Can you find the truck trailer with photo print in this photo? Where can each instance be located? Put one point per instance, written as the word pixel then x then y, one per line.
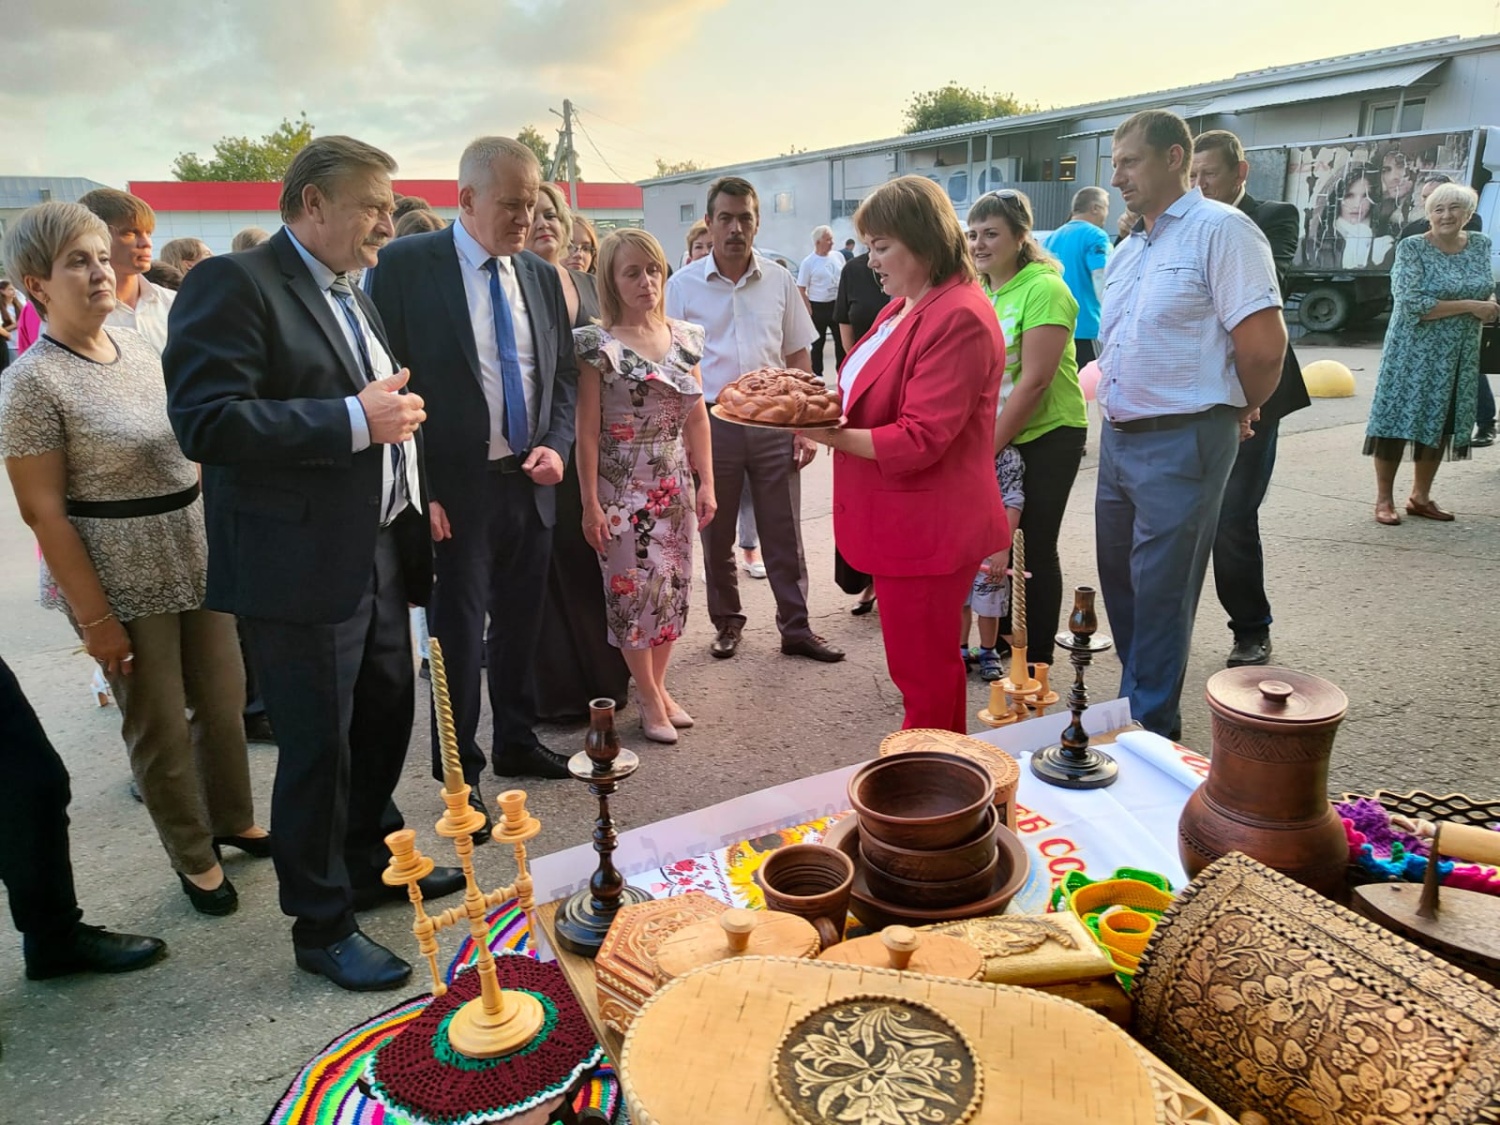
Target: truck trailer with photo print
pixel 1357 196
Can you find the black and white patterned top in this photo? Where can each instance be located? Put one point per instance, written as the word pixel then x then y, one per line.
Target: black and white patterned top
pixel 110 421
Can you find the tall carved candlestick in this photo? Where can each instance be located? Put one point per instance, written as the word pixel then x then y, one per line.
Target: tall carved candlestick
pixel 1019 684
pixel 1075 764
pixel 585 918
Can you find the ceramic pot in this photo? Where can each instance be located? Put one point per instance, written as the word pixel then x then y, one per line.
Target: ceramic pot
pixel 813 882
pixel 925 800
pixel 937 866
pixel 919 895
pixel 1267 789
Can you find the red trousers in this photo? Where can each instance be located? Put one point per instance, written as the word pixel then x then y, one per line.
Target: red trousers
pixel 920 621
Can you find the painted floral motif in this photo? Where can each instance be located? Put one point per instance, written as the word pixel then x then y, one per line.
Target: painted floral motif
pixel 645 483
pixel 881 1062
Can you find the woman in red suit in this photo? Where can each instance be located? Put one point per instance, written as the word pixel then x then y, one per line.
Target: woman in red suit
pixel 915 503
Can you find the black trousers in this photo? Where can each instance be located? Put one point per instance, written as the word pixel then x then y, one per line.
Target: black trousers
pixel 254 705
pixel 1052 462
pixel 1086 352
pixel 1239 565
pixel 495 563
pixel 340 698
pixel 822 318
pixel 34 795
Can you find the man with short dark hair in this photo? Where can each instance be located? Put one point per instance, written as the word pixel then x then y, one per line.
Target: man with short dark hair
pixel 753 317
pixel 848 250
pixel 1219 171
pixel 139 304
pixel 1082 247
pixel 281 383
pixel 1191 344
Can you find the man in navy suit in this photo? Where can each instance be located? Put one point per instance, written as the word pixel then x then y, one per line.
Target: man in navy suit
pixel 281 383
pixel 484 328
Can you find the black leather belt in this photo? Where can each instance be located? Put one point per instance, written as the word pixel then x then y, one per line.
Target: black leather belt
pixel 511 464
pixel 1165 422
pixel 132 509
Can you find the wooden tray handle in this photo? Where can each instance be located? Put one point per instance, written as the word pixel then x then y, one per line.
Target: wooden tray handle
pixel 1464 841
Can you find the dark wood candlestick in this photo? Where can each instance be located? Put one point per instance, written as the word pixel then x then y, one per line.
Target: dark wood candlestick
pixel 585 918
pixel 1074 764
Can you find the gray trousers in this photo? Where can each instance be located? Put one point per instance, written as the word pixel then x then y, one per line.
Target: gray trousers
pixel 763 458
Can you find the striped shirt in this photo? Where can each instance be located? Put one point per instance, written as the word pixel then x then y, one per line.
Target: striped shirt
pixel 1171 299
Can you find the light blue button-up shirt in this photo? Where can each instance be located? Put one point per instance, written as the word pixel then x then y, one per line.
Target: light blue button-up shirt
pixel 1171 299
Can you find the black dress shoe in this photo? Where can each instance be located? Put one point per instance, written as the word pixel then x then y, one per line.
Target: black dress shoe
pixel 530 761
pixel 258 728
pixel 91 949
pixel 356 963
pixel 476 802
pixel 1484 435
pixel 442 882
pixel 863 607
pixel 258 846
pixel 1249 650
pixel 813 647
pixel 222 900
pixel 727 643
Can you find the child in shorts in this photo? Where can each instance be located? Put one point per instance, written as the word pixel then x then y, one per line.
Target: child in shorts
pixel 989 599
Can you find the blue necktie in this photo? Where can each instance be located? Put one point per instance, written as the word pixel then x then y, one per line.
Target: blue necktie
pixel 517 424
pixel 343 293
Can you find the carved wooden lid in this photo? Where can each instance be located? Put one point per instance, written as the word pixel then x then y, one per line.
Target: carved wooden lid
pixel 1275 696
pixel 1004 769
pixel 904 949
pixel 735 933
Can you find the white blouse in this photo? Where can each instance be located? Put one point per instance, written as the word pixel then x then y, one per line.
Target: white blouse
pixel 856 360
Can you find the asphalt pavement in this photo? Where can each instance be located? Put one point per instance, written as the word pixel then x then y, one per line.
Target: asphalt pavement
pixel 1401 618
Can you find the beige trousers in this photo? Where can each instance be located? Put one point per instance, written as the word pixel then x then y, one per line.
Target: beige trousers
pixel 182 719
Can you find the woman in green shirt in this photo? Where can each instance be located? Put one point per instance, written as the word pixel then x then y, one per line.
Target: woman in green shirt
pixel 1043 413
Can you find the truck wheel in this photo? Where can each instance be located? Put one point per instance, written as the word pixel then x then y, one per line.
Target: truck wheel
pixel 1325 308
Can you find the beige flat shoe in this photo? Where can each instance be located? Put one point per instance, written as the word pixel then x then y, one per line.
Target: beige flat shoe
pixel 665 732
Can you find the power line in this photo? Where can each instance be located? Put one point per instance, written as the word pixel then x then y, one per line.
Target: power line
pixel 585 130
pixel 672 146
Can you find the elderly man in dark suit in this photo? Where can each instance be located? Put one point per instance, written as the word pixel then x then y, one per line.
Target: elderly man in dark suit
pixel 281 383
pixel 483 325
pixel 1219 171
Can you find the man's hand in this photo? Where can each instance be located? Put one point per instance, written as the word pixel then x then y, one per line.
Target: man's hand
pixel 392 417
pixel 543 466
pixel 1247 417
pixel 439 520
pixel 803 451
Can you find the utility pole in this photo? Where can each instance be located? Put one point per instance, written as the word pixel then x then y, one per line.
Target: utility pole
pixel 567 153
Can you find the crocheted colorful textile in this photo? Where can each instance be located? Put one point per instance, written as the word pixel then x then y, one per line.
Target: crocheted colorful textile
pixel 1121 912
pixel 416 1073
pixel 1385 851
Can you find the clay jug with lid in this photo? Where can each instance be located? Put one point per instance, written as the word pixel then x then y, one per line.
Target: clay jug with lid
pixel 1267 789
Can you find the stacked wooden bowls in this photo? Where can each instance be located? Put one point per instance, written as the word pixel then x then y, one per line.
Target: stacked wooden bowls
pixel 929 845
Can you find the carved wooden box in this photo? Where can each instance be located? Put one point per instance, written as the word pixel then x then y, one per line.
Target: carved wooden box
pixel 626 965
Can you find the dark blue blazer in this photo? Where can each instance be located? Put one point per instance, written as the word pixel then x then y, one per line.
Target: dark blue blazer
pixel 257 371
pixel 419 290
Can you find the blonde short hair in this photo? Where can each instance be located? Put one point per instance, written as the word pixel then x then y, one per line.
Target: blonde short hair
pixel 248 237
pixel 37 239
pixel 181 252
pixel 564 212
pixel 695 232
pixel 917 213
pixel 610 305
pixel 1453 193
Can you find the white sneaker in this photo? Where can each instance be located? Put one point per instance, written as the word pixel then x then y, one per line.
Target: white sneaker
pixel 757 569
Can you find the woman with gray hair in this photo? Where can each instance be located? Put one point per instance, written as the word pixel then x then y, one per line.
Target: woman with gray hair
pixel 1442 291
pixel 99 478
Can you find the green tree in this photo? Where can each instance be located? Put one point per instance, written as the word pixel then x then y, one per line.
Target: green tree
pixel 243 159
pixel 958 105
pixel 532 138
pixel 664 168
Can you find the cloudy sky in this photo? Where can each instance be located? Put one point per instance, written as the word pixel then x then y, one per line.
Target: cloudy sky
pixel 115 89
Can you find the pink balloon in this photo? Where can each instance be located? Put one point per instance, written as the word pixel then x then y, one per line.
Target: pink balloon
pixel 1088 379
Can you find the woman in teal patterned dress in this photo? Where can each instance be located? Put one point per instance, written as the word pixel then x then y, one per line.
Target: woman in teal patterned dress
pixel 1443 290
pixel 642 433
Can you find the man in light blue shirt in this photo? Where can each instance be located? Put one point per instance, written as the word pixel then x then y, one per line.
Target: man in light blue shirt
pixel 1191 343
pixel 1082 247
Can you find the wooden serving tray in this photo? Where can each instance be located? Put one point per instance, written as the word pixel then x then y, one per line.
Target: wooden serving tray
pixel 702 1048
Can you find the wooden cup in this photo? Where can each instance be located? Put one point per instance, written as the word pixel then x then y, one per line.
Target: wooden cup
pixel 813 882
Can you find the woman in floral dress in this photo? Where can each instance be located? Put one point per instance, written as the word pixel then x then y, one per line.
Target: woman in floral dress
pixel 1442 291
pixel 642 433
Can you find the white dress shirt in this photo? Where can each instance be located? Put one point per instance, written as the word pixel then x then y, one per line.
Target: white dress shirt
pixel 819 275
pixel 149 317
pixel 383 366
pixel 861 355
pixel 751 323
pixel 471 259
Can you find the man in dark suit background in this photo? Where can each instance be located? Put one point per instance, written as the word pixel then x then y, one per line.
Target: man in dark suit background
pixel 281 383
pixel 484 328
pixel 1220 171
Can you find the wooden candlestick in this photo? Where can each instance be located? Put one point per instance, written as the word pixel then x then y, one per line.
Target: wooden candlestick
pixel 1018 597
pixel 1074 764
pixel 999 712
pixel 585 918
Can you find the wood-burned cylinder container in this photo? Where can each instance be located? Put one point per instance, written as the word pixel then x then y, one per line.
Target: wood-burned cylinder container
pixel 1267 789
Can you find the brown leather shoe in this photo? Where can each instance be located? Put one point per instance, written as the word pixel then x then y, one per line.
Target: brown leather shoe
pixel 813 647
pixel 1427 510
pixel 727 643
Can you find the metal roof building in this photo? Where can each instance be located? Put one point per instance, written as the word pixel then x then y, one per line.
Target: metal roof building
pixel 20 192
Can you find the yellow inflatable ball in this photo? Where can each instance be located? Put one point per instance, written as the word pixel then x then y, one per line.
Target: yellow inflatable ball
pixel 1328 378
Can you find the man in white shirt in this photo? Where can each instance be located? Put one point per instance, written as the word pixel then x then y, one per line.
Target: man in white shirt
pixel 139 305
pixel 752 317
pixel 818 280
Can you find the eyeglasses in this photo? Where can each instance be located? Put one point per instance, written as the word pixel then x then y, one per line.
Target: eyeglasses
pixel 1001 193
pixel 580 247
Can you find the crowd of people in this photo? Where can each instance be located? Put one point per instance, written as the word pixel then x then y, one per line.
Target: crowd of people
pixel 241 485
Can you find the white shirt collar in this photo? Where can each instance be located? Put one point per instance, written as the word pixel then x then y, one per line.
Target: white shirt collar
pixel 474 255
pixel 712 269
pixel 1240 197
pixel 321 274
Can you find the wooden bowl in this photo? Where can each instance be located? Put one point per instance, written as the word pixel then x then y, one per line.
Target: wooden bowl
pixel 925 895
pixel 926 800
pixel 972 856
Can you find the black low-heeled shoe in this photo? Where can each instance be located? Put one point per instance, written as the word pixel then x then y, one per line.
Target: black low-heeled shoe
pixel 863 608
pixel 222 900
pixel 258 846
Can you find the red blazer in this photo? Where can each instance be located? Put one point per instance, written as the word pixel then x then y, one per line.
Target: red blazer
pixel 928 503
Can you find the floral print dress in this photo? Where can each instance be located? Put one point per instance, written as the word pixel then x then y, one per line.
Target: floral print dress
pixel 645 482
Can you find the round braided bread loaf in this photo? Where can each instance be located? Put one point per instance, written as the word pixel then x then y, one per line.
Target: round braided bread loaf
pixel 778 396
